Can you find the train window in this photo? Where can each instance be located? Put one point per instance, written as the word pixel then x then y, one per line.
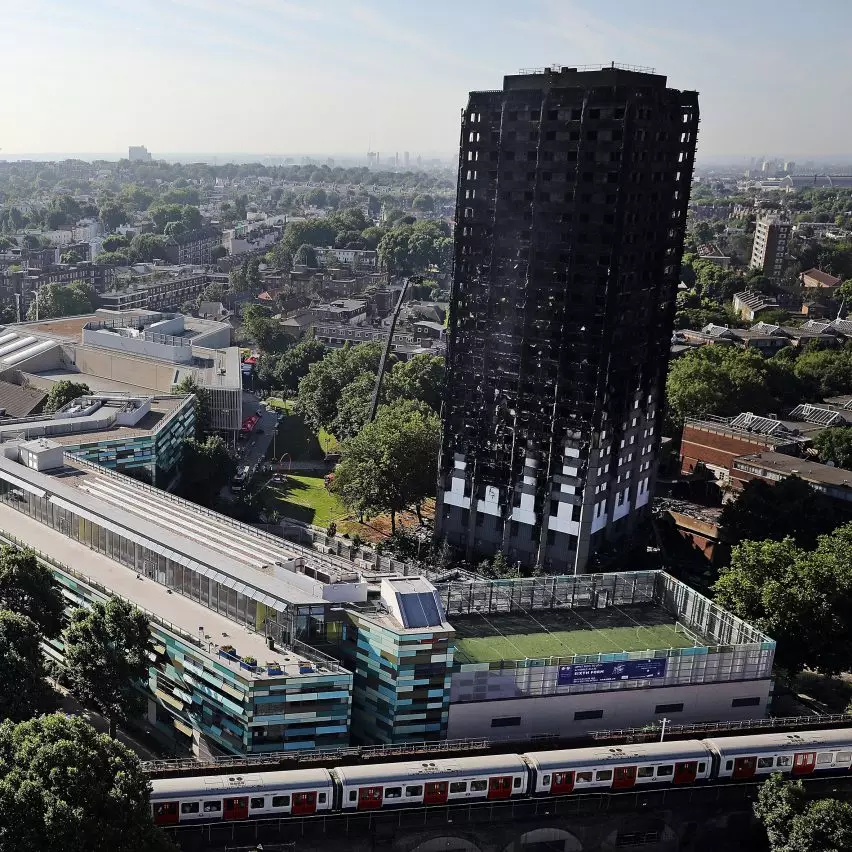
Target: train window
pixel 458 787
pixel 825 757
pixel 257 802
pixel 583 777
pixel 393 792
pixel 764 762
pixel 604 775
pixel 516 783
pixel 280 801
pixel 189 807
pixel 545 779
pixel 729 765
pixel 210 807
pixel 416 790
pixel 646 772
pixel 353 796
pixel 663 771
pixel 321 798
pixel 478 786
pixel 784 760
pixel 843 756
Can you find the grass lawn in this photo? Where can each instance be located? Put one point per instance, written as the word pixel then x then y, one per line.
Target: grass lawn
pixel 499 637
pixel 305 498
pixel 295 438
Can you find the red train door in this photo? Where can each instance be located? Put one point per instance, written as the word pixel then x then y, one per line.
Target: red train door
pixel 435 792
pixel 744 767
pixel 500 788
pixel 166 813
pixel 563 782
pixel 686 772
pixel 804 762
pixel 624 777
pixel 369 798
pixel 304 803
pixel 236 808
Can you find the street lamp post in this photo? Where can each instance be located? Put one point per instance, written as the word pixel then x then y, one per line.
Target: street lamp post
pixel 663 729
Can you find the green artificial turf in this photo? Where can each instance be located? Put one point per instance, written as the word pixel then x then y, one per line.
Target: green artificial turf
pixel 495 637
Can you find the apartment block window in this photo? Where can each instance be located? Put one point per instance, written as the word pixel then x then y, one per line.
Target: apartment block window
pixel 582 715
pixel 669 708
pixel 506 722
pixel 746 702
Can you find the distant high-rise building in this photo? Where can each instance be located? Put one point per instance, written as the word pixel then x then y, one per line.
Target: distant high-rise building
pixel 771 244
pixel 405 158
pixel 570 218
pixel 138 154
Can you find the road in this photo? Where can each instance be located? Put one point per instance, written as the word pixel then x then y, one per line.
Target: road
pixel 253 450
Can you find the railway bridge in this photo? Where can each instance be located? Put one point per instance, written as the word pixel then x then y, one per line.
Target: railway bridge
pixel 694 819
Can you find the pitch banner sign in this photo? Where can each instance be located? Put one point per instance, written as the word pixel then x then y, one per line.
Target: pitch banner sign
pixel 605 672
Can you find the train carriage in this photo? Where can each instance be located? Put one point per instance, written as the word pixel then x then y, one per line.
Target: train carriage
pixel 239 797
pixel 804 753
pixel 558 773
pixel 435 782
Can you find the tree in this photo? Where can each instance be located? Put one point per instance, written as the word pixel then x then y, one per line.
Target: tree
pixel 207 467
pixel 264 329
pixel 285 371
pixel 800 597
pixel 112 214
pixel 190 217
pixel 63 300
pixel 189 386
pixel 420 378
pixel 24 691
pixel 62 393
pixel 774 511
pixel 66 788
pixel 162 214
pixel 114 242
pixel 795 824
pixel 825 372
pixel 148 247
pixel 306 255
pixel 174 229
pixel 718 380
pixel 423 203
pixel 835 446
pixel 27 588
pixel 353 406
pixel 106 657
pixel 389 465
pixel 320 390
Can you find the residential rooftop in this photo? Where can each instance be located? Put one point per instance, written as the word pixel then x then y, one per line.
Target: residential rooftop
pixel 769 463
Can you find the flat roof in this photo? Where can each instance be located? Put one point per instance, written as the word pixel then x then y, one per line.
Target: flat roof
pixel 566 633
pixel 235 554
pixel 96 384
pixel 791 466
pixel 68 328
pixel 185 613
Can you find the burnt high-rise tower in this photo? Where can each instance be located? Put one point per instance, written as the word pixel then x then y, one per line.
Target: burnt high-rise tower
pixel 572 199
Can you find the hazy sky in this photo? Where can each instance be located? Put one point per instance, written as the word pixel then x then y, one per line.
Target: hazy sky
pixel 280 76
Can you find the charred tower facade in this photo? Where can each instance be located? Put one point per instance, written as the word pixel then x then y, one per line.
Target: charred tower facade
pixel 572 200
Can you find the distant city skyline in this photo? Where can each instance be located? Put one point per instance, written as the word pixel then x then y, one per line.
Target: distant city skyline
pixel 258 76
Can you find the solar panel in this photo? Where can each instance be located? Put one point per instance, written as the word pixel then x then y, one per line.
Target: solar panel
pixel 419 610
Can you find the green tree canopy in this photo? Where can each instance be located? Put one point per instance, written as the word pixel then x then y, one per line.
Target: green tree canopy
pixel 718 380
pixel 306 255
pixel 114 242
pixel 800 597
pixel 825 372
pixel 320 390
pixel 24 691
pixel 147 247
pixel 66 788
pixel 112 214
pixel 266 331
pixel 189 386
pixel 63 300
pixel 207 467
pixel 284 371
pixel 27 588
pixel 419 378
pixel 794 823
pixel 390 464
pixel 62 393
pixel 835 446
pixel 106 657
pixel 774 511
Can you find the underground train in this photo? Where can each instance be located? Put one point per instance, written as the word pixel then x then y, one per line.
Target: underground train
pixel 301 792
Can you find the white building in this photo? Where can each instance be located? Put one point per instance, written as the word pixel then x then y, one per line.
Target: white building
pixel 138 154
